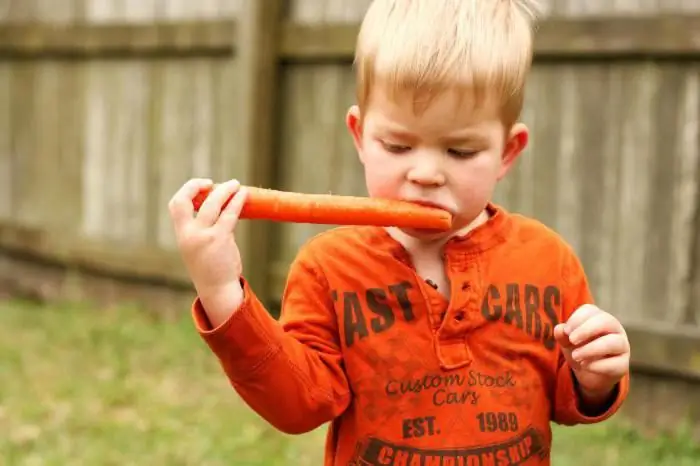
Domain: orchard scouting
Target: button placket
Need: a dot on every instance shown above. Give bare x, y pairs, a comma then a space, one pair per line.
436, 306
469, 271
458, 319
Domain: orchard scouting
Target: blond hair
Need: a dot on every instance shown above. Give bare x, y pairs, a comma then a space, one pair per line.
483, 47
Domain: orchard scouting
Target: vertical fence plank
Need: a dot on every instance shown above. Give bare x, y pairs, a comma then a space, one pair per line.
94, 170
258, 37
6, 165
23, 142
691, 139
6, 158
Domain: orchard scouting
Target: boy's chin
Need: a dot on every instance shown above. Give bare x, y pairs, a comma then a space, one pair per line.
425, 234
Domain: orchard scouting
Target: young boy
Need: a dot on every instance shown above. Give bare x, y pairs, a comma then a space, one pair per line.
419, 348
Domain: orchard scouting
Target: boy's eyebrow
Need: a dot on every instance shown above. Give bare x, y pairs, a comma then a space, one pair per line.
386, 126
467, 137
398, 133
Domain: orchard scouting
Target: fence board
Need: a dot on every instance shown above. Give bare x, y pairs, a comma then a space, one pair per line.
7, 169
45, 162
71, 115
94, 157
23, 143
125, 148
116, 150
5, 10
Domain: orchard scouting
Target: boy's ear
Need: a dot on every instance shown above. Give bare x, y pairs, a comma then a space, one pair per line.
516, 142
353, 121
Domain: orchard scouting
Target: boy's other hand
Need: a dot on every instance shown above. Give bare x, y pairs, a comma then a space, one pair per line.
207, 245
596, 347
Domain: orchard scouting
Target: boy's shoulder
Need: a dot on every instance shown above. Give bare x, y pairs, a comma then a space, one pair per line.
528, 230
540, 241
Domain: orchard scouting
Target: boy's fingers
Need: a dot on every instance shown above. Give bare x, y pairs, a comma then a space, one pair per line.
231, 213
213, 205
180, 205
597, 326
604, 347
611, 367
581, 315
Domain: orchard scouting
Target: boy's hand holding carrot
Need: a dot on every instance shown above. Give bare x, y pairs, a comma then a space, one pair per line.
207, 243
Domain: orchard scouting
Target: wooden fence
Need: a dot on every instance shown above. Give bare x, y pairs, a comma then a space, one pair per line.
106, 107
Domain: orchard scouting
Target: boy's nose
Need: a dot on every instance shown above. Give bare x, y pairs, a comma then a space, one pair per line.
427, 174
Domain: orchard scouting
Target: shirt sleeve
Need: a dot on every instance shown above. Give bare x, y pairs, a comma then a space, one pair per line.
289, 371
568, 408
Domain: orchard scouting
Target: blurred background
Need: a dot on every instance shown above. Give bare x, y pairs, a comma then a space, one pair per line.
108, 106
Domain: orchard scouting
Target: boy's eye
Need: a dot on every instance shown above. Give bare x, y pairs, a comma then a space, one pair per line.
395, 148
463, 153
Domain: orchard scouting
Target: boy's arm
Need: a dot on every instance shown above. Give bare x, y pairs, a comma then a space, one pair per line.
289, 372
571, 406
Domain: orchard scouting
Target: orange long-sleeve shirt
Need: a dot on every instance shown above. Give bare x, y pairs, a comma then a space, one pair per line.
405, 377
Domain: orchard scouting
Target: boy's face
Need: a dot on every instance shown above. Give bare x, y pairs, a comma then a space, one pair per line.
448, 154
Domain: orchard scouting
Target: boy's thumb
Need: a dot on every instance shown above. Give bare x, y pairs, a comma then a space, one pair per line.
567, 347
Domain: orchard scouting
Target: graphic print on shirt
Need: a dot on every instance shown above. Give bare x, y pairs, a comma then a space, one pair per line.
530, 308
436, 407
399, 384
377, 315
515, 451
522, 306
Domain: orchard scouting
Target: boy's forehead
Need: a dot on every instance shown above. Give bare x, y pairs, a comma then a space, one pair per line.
445, 112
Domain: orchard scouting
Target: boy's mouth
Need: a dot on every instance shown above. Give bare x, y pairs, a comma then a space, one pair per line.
429, 204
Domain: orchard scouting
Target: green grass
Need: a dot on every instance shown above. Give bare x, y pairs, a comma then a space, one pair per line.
84, 386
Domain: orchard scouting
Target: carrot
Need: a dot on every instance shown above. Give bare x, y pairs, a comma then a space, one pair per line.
287, 206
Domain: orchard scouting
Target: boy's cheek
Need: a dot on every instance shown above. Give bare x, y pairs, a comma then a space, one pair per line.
377, 162
380, 186
381, 181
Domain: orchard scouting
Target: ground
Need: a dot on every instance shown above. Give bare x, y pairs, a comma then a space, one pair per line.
87, 386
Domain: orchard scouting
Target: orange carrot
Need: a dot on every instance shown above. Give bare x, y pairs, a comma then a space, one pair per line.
286, 206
